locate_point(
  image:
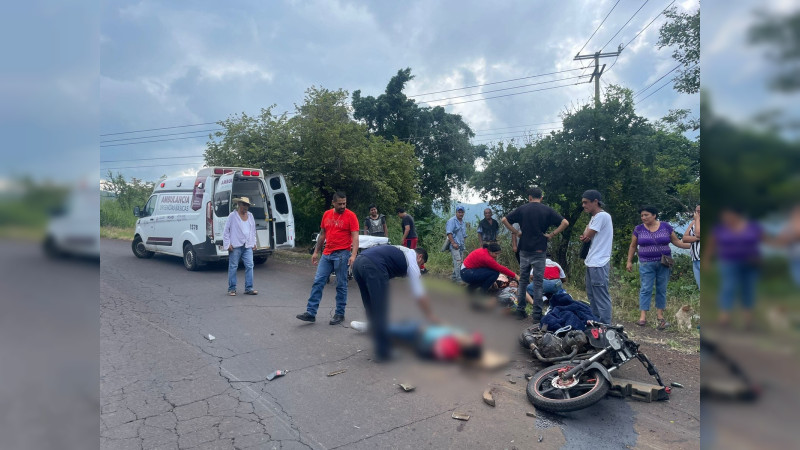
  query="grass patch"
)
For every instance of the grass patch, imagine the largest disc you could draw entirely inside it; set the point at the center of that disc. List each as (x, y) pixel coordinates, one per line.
(22, 233)
(122, 233)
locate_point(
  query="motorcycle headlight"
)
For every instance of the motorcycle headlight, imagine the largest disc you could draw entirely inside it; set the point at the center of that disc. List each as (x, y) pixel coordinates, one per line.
(614, 340)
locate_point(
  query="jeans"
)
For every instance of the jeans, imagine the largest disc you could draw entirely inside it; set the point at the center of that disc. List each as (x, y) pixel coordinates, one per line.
(246, 255)
(528, 261)
(548, 287)
(374, 286)
(794, 268)
(406, 331)
(458, 257)
(597, 291)
(336, 262)
(653, 273)
(482, 278)
(733, 275)
(696, 270)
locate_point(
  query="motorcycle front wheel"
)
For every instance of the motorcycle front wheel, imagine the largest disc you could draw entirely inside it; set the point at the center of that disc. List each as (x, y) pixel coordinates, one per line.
(548, 392)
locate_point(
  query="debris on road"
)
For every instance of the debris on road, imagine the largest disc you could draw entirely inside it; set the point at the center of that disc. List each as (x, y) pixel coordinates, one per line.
(209, 336)
(541, 438)
(277, 373)
(337, 372)
(511, 380)
(676, 384)
(407, 387)
(460, 416)
(528, 376)
(530, 414)
(488, 398)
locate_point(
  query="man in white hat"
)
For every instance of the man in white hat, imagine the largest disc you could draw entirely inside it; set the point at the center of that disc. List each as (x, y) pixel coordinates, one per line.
(239, 238)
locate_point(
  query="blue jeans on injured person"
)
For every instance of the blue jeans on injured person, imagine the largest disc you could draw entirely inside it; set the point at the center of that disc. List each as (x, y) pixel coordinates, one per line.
(336, 263)
(653, 273)
(246, 255)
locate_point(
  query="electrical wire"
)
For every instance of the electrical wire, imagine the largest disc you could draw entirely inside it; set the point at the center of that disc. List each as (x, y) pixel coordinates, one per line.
(623, 26)
(598, 27)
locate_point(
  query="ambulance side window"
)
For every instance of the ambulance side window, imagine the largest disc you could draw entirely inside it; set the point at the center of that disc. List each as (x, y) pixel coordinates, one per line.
(222, 204)
(150, 206)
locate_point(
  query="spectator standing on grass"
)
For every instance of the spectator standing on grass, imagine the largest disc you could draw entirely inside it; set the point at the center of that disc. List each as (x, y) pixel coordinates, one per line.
(339, 235)
(692, 236)
(409, 231)
(534, 218)
(651, 240)
(374, 223)
(456, 235)
(736, 242)
(599, 235)
(487, 228)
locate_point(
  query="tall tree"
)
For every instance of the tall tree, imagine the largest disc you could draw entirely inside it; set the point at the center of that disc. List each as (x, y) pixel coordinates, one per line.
(441, 140)
(781, 36)
(683, 31)
(612, 149)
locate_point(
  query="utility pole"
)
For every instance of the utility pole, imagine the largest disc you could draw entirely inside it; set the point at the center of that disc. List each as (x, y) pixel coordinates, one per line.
(597, 70)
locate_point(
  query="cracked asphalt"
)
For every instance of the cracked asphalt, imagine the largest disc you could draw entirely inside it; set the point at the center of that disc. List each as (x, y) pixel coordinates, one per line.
(164, 385)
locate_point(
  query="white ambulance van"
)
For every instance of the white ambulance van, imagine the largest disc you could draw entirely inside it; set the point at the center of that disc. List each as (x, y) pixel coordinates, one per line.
(186, 216)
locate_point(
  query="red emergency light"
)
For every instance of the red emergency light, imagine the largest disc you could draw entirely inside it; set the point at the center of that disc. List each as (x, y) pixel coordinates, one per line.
(162, 185)
(220, 171)
(249, 173)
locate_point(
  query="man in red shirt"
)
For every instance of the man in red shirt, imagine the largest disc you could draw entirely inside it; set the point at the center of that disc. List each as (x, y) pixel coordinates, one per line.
(339, 234)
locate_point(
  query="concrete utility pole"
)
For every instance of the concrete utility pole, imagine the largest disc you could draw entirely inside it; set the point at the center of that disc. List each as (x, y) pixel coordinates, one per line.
(597, 70)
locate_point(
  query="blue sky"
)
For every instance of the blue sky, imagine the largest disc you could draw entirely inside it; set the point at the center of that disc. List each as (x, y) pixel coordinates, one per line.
(174, 63)
(87, 71)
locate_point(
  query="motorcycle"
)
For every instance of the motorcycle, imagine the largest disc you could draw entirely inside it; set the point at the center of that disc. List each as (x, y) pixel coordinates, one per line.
(578, 384)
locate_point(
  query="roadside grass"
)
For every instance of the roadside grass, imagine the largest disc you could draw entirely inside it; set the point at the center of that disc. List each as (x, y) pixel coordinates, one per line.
(22, 233)
(121, 233)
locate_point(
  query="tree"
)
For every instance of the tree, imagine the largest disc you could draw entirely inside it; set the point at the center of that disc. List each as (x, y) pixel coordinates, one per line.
(781, 35)
(321, 150)
(129, 193)
(441, 140)
(631, 161)
(683, 31)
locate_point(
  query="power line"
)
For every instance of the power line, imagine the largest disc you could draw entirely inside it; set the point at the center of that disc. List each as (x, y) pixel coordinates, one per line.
(150, 159)
(161, 135)
(651, 22)
(598, 27)
(146, 142)
(623, 26)
(495, 82)
(157, 129)
(506, 89)
(661, 87)
(518, 126)
(509, 95)
(147, 167)
(654, 82)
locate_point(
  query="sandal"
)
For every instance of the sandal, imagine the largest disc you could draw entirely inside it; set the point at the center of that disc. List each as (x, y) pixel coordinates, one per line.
(641, 323)
(253, 292)
(232, 293)
(662, 324)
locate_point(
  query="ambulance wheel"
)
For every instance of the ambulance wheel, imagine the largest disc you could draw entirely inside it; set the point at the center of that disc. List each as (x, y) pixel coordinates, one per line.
(260, 259)
(190, 257)
(139, 250)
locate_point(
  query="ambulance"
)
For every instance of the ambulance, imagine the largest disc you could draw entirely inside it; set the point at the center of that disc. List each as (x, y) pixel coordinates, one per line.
(185, 216)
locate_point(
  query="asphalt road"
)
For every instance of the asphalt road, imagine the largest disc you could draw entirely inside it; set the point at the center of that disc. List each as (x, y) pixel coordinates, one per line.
(163, 385)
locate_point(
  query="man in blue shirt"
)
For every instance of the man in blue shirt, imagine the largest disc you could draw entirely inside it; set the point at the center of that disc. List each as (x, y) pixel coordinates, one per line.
(456, 235)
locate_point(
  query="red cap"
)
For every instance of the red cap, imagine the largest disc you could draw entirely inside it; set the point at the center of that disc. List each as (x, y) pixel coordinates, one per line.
(446, 348)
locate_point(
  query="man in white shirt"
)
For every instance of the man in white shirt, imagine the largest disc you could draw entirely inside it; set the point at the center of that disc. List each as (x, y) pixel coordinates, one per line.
(239, 238)
(600, 232)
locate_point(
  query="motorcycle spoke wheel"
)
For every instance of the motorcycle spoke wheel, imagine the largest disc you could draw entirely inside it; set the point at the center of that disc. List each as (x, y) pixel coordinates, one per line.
(545, 394)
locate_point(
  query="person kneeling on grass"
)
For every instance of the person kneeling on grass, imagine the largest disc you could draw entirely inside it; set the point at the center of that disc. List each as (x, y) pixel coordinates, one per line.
(433, 341)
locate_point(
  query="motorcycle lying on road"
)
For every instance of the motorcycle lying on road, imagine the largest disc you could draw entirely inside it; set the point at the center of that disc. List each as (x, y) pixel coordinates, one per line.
(577, 384)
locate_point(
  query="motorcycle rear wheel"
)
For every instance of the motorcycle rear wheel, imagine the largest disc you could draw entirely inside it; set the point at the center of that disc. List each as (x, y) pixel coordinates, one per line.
(587, 390)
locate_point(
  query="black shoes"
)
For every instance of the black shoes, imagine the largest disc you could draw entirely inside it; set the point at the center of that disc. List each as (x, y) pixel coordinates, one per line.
(336, 320)
(306, 317)
(520, 314)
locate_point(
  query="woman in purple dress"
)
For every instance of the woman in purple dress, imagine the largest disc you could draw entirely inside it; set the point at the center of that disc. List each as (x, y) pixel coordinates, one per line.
(651, 240)
(736, 242)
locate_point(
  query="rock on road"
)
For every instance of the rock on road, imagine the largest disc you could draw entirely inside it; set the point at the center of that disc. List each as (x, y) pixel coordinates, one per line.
(164, 385)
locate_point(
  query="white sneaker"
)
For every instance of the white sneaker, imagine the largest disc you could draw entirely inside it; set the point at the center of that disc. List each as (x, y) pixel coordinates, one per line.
(361, 327)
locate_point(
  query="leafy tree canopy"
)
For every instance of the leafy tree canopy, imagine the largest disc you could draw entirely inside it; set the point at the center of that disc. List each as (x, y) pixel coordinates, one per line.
(683, 32)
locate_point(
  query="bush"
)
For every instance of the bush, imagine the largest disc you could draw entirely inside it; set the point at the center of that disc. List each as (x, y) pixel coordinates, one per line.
(113, 214)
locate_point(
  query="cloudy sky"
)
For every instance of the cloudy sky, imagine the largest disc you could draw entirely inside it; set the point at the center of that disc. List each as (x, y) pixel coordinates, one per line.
(168, 64)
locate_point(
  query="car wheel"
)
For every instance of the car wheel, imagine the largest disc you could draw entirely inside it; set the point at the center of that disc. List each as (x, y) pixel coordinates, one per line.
(190, 257)
(139, 250)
